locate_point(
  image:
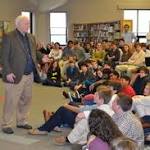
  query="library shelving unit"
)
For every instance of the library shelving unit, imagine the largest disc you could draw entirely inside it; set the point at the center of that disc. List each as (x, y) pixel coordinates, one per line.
(97, 32)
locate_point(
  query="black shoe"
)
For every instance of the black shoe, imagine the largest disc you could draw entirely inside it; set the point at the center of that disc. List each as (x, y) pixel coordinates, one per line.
(8, 130)
(26, 126)
(65, 94)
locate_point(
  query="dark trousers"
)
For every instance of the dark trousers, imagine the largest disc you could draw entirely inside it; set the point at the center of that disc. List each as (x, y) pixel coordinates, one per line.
(52, 83)
(146, 119)
(61, 116)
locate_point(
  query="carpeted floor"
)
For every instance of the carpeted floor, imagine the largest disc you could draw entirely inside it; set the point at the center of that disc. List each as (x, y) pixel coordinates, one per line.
(49, 98)
(43, 98)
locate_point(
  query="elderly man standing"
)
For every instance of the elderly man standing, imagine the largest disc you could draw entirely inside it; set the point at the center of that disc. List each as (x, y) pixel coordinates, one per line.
(19, 58)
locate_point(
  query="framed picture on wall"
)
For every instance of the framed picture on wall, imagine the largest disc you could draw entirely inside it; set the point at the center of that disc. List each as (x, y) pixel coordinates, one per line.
(4, 28)
(126, 22)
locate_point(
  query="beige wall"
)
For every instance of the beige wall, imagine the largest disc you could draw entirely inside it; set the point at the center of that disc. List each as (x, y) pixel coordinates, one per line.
(10, 9)
(79, 11)
(42, 27)
(133, 4)
(91, 11)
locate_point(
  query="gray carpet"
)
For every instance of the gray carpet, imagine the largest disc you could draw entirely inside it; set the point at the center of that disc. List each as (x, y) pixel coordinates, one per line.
(49, 98)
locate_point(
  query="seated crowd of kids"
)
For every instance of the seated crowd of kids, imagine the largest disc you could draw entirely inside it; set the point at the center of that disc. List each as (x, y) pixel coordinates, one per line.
(109, 92)
(106, 78)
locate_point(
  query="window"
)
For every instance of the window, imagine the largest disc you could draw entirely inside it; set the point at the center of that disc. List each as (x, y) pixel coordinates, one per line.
(141, 22)
(131, 15)
(29, 15)
(58, 27)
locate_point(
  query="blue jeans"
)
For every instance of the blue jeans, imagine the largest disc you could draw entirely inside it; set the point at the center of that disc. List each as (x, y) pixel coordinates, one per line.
(146, 119)
(61, 116)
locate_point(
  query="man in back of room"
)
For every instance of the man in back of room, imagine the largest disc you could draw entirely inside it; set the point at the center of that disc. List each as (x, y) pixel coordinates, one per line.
(127, 35)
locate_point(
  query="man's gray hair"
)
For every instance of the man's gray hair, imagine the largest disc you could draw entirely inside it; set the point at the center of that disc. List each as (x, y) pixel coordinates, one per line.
(19, 19)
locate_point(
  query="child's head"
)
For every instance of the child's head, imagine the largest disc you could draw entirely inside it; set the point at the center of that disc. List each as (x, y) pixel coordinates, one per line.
(147, 89)
(84, 68)
(115, 86)
(126, 48)
(143, 71)
(138, 47)
(71, 63)
(99, 73)
(88, 63)
(57, 45)
(51, 59)
(107, 65)
(99, 46)
(55, 64)
(103, 95)
(70, 44)
(94, 64)
(114, 75)
(122, 103)
(125, 80)
(102, 126)
(124, 143)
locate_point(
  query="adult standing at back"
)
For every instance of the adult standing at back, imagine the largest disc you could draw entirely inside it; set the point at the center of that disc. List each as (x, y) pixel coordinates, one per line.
(19, 59)
(127, 35)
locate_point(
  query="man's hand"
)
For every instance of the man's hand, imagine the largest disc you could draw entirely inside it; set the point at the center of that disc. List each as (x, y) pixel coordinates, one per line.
(80, 116)
(10, 77)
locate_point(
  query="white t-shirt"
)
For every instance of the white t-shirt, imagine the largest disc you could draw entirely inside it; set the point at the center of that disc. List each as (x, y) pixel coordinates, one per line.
(141, 105)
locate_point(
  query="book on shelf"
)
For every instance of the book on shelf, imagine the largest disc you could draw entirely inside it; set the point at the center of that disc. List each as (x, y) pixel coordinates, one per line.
(97, 31)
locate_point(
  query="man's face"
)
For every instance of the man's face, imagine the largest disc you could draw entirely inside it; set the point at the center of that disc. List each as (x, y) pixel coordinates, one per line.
(24, 25)
(126, 28)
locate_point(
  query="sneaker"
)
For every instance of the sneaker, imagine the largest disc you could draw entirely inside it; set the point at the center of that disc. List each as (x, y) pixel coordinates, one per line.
(8, 130)
(65, 94)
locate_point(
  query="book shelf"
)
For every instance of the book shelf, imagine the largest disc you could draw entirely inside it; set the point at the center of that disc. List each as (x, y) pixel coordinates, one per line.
(97, 32)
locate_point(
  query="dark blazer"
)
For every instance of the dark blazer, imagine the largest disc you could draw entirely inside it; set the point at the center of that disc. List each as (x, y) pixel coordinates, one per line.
(14, 55)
